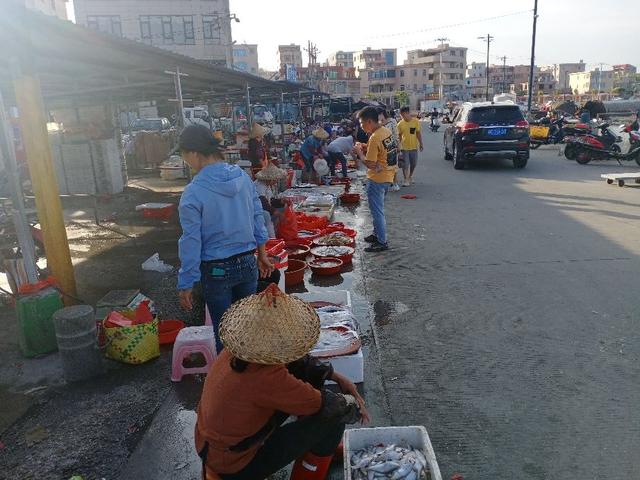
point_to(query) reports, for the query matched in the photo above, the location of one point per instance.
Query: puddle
(383, 311)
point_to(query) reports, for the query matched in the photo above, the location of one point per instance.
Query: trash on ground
(409, 196)
(154, 264)
(36, 435)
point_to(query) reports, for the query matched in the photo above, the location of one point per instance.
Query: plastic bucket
(77, 343)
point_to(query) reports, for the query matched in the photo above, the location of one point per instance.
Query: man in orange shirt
(262, 376)
(381, 161)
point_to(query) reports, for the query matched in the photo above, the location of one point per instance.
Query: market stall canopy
(90, 67)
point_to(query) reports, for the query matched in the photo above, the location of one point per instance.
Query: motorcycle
(435, 125)
(555, 133)
(605, 146)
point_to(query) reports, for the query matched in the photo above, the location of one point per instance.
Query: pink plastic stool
(192, 340)
(207, 317)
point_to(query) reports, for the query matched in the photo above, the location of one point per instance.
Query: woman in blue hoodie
(222, 225)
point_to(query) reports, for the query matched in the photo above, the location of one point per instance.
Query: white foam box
(351, 366)
(337, 297)
(414, 436)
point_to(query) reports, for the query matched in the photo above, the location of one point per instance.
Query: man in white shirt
(337, 150)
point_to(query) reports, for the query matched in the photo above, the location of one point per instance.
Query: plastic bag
(135, 344)
(154, 264)
(288, 225)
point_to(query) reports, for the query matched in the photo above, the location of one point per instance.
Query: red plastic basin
(319, 266)
(294, 275)
(168, 331)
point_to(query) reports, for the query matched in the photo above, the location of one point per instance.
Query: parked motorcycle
(604, 146)
(555, 132)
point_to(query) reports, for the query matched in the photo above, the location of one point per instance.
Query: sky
(595, 31)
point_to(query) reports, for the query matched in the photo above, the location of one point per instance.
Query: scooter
(435, 125)
(605, 147)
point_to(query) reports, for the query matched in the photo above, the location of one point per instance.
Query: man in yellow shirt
(410, 138)
(381, 160)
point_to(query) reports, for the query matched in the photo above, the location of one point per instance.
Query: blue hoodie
(221, 216)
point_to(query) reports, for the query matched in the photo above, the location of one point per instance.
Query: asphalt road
(507, 317)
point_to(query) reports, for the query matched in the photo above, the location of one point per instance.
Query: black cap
(198, 138)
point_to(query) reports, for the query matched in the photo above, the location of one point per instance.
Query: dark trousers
(333, 159)
(290, 442)
(225, 282)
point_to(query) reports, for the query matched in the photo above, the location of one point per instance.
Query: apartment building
(374, 59)
(561, 72)
(196, 28)
(245, 58)
(340, 59)
(446, 67)
(56, 8)
(593, 81)
(289, 55)
(501, 77)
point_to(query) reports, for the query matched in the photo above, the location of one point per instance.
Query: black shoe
(371, 238)
(377, 247)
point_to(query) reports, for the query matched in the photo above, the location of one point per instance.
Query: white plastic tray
(414, 436)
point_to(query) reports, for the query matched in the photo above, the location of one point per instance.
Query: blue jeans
(225, 282)
(375, 194)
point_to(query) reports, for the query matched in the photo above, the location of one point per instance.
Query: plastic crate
(162, 211)
(414, 436)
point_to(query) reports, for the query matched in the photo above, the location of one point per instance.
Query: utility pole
(599, 80)
(440, 86)
(504, 73)
(533, 54)
(487, 39)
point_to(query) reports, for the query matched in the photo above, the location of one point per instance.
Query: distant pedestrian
(312, 149)
(380, 160)
(337, 150)
(635, 126)
(409, 130)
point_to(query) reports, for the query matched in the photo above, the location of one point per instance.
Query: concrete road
(507, 316)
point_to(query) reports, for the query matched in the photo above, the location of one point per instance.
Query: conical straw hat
(258, 131)
(271, 173)
(270, 328)
(320, 133)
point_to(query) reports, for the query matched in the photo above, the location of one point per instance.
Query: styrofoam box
(337, 297)
(351, 366)
(414, 436)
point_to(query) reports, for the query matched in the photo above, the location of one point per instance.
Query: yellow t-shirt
(382, 148)
(408, 132)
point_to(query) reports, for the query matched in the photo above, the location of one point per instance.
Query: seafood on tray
(334, 239)
(332, 251)
(392, 461)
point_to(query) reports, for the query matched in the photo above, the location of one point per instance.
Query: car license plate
(496, 132)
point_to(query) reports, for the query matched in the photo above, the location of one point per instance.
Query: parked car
(487, 129)
(151, 124)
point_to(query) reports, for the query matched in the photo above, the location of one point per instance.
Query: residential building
(340, 59)
(374, 58)
(338, 81)
(56, 8)
(625, 78)
(591, 82)
(445, 66)
(544, 84)
(290, 55)
(501, 78)
(245, 58)
(197, 28)
(476, 81)
(561, 72)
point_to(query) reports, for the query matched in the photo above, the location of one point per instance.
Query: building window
(402, 88)
(424, 72)
(415, 87)
(212, 29)
(431, 76)
(402, 73)
(415, 73)
(167, 29)
(105, 23)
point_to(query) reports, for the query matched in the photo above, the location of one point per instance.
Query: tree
(403, 98)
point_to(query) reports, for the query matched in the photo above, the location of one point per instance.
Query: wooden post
(33, 123)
